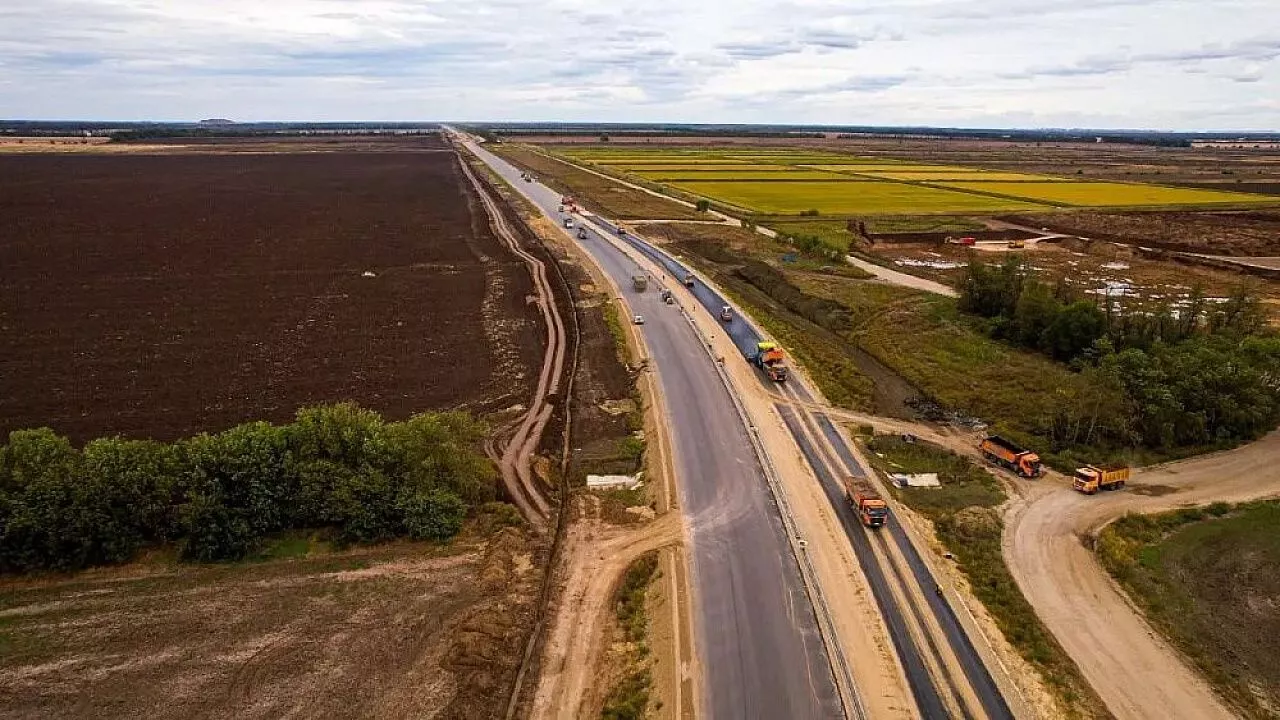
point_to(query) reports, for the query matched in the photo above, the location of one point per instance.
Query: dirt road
(596, 554)
(1136, 672)
(517, 474)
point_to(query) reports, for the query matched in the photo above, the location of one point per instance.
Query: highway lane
(756, 632)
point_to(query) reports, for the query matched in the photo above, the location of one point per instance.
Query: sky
(1152, 64)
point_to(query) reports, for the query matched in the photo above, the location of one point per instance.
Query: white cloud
(1106, 63)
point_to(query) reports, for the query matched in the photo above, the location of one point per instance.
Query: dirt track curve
(1137, 674)
(514, 463)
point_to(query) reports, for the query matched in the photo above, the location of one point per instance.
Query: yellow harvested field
(882, 166)
(1098, 194)
(845, 198)
(704, 167)
(776, 173)
(966, 176)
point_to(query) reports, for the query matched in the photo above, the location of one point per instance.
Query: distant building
(216, 122)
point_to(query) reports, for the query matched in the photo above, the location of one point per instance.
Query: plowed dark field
(163, 295)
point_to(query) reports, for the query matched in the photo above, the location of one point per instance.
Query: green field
(845, 198)
(1097, 194)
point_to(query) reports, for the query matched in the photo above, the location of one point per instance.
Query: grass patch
(921, 223)
(1099, 194)
(844, 198)
(611, 313)
(1206, 577)
(965, 520)
(629, 697)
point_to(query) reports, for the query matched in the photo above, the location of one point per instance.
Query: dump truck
(582, 233)
(1091, 478)
(1010, 455)
(667, 297)
(1017, 244)
(726, 313)
(639, 283)
(688, 279)
(769, 358)
(872, 510)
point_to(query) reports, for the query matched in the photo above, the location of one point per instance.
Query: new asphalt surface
(755, 628)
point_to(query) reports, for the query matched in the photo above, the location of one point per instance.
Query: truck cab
(726, 313)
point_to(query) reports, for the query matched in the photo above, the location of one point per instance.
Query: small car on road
(638, 320)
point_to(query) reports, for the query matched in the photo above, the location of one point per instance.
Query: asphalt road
(757, 635)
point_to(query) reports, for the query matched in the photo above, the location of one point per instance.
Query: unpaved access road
(1135, 671)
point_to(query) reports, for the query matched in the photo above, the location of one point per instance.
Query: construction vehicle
(667, 297)
(968, 241)
(1011, 456)
(1017, 244)
(872, 510)
(769, 358)
(688, 279)
(1091, 478)
(639, 283)
(726, 313)
(582, 233)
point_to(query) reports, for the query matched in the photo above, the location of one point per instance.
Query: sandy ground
(899, 278)
(1137, 673)
(595, 554)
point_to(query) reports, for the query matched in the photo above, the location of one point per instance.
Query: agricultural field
(405, 629)
(846, 198)
(780, 174)
(1243, 233)
(757, 175)
(161, 295)
(1097, 194)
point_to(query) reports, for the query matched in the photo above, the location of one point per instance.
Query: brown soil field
(163, 295)
(399, 631)
(1245, 233)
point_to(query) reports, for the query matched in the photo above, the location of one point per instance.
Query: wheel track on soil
(514, 462)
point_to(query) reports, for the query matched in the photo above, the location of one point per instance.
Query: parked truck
(872, 510)
(1010, 455)
(639, 283)
(1091, 478)
(769, 358)
(688, 279)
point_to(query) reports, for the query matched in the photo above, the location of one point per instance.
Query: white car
(638, 320)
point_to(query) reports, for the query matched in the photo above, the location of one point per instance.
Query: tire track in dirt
(596, 555)
(514, 461)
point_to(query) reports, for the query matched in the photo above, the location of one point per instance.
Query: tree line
(219, 496)
(1195, 374)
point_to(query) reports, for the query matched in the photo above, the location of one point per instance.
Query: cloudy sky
(1169, 64)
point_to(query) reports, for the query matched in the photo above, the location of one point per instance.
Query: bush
(221, 495)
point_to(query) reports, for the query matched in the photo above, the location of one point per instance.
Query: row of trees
(336, 466)
(1200, 373)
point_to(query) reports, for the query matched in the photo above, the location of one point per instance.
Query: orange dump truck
(1090, 478)
(1010, 455)
(768, 357)
(872, 510)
